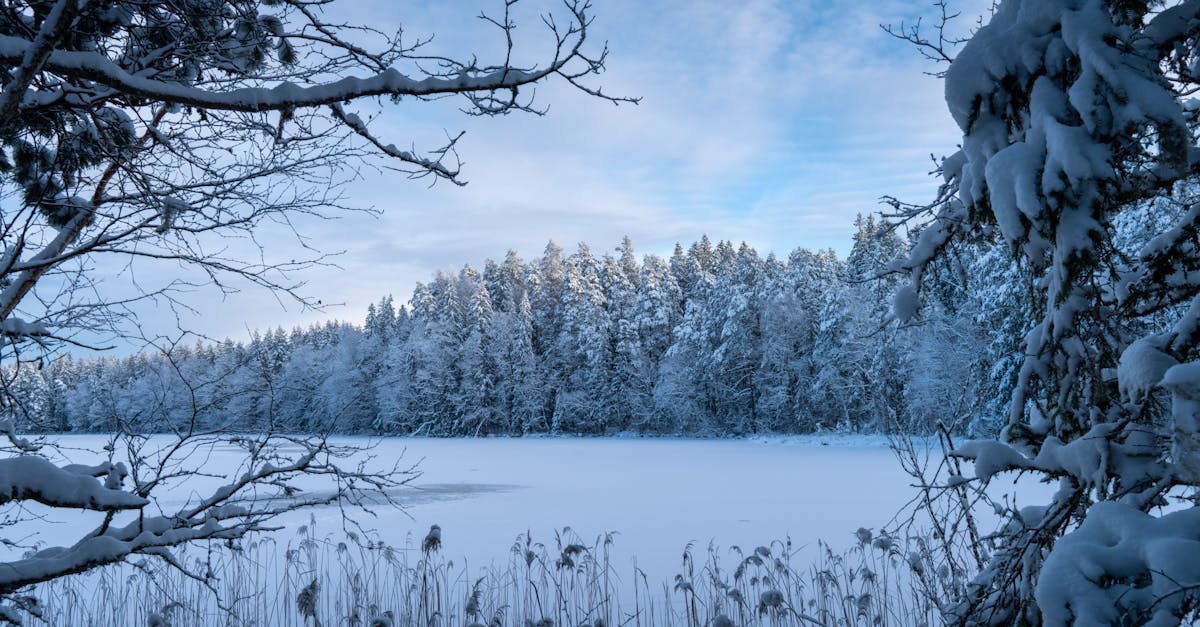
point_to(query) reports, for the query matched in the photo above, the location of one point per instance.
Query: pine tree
(583, 348)
(626, 387)
(735, 309)
(475, 403)
(519, 387)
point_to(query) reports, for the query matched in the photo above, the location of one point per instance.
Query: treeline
(713, 340)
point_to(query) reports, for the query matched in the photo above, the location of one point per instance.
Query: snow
(18, 327)
(1142, 366)
(1050, 96)
(657, 494)
(992, 457)
(391, 81)
(1121, 562)
(1085, 459)
(1183, 381)
(28, 477)
(906, 303)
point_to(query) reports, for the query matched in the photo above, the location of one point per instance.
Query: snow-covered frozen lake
(657, 494)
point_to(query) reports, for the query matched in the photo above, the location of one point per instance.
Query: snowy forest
(715, 340)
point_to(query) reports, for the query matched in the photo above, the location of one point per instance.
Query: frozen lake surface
(657, 494)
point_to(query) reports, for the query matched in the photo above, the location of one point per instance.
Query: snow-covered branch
(1078, 159)
(243, 505)
(96, 68)
(33, 478)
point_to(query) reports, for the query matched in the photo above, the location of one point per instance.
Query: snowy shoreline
(824, 438)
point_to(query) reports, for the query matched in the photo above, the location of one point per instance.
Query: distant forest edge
(715, 340)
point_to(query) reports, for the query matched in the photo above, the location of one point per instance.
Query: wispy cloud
(766, 121)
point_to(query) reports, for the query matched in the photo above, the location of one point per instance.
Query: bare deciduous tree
(163, 131)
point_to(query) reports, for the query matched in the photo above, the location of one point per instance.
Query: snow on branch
(32, 478)
(1121, 566)
(16, 327)
(477, 82)
(1090, 460)
(34, 56)
(1078, 161)
(95, 67)
(230, 511)
(426, 166)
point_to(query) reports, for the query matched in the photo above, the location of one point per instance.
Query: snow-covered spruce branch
(1078, 159)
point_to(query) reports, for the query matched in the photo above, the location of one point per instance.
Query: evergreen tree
(627, 388)
(583, 348)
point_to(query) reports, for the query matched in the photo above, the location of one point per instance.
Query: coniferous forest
(714, 340)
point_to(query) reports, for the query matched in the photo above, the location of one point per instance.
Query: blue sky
(767, 121)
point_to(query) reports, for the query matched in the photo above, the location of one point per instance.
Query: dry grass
(311, 580)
